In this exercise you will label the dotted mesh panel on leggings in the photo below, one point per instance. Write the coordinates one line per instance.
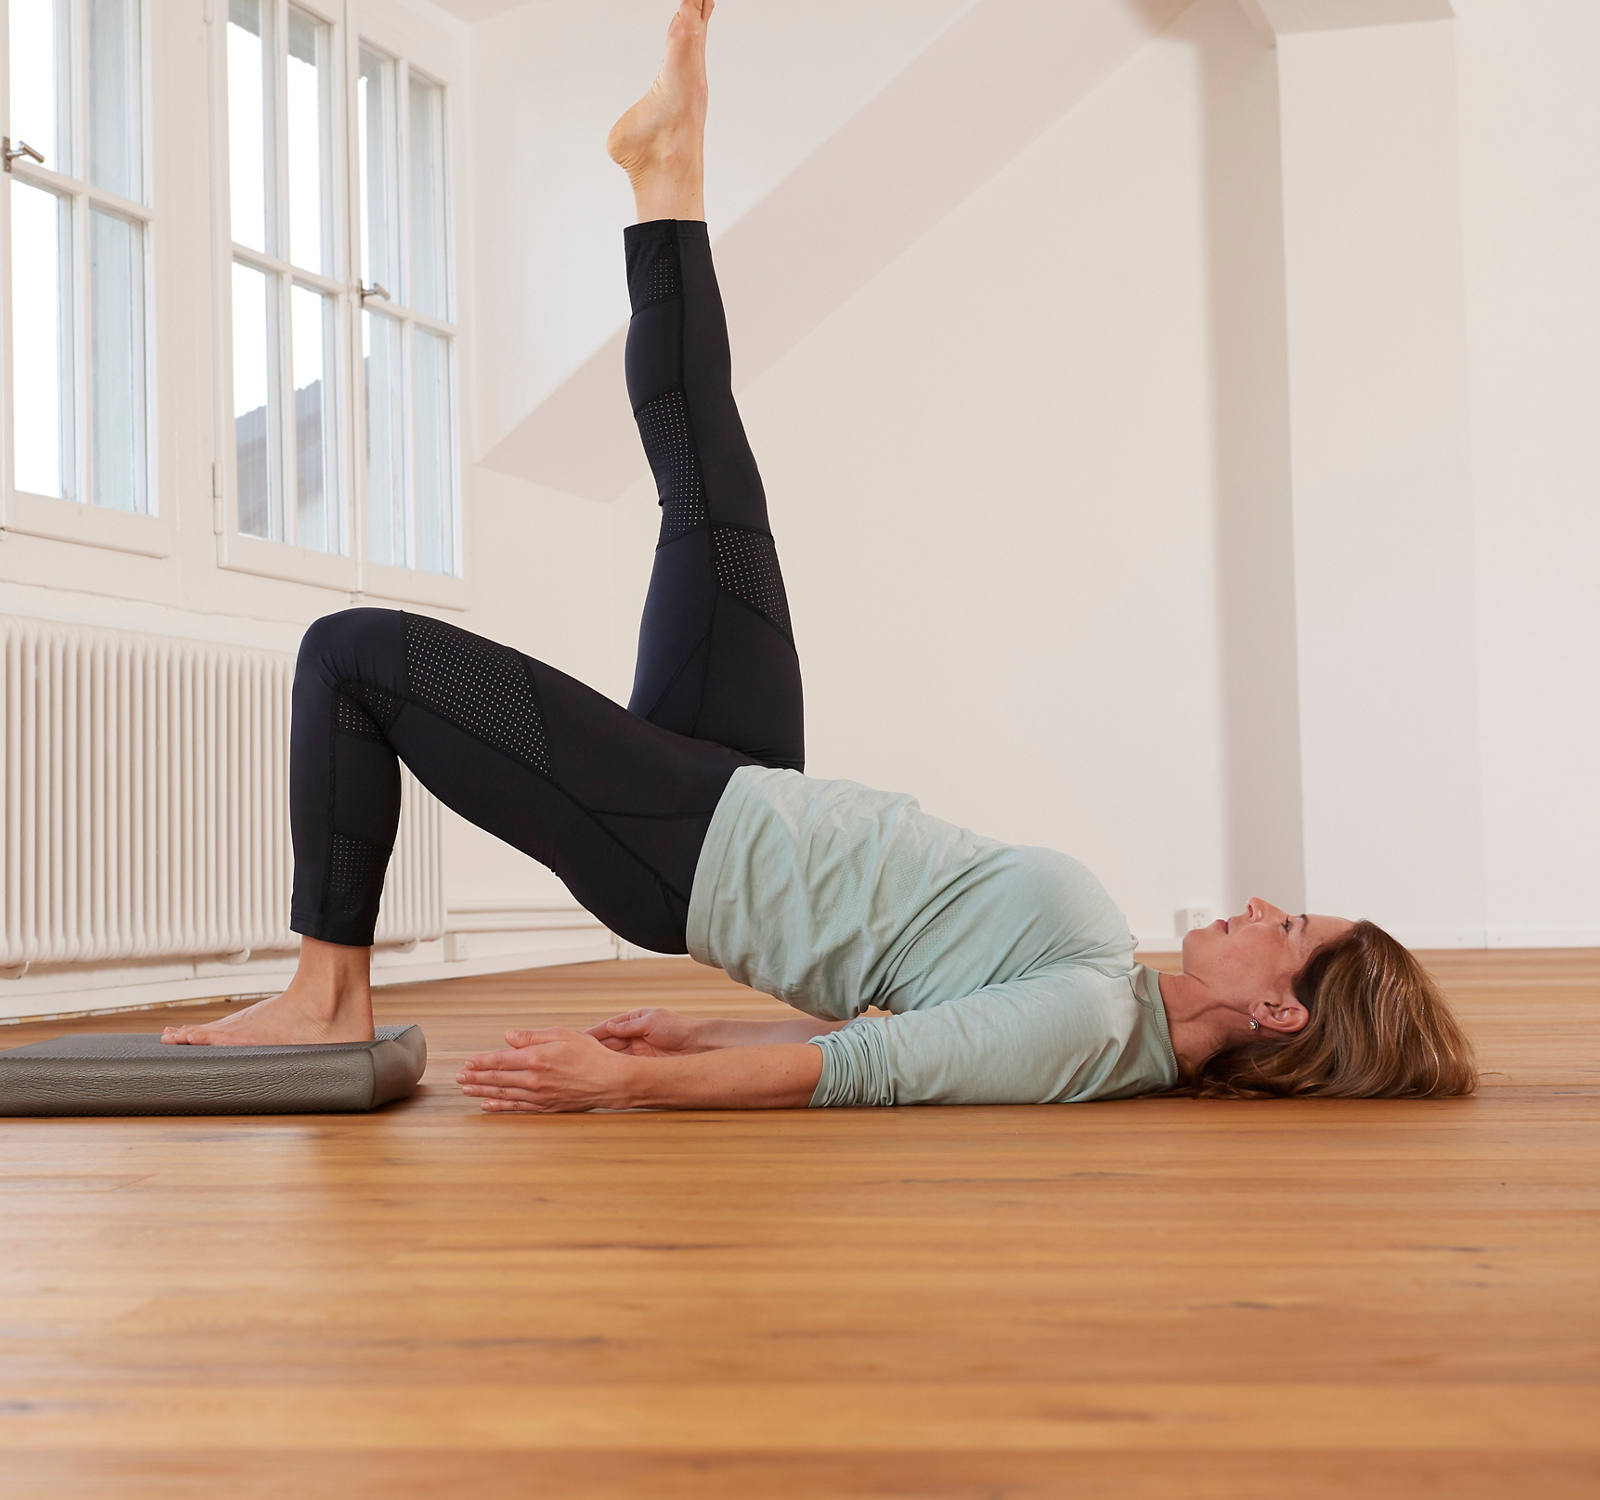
(747, 567)
(479, 685)
(664, 279)
(354, 719)
(655, 275)
(382, 705)
(356, 870)
(664, 427)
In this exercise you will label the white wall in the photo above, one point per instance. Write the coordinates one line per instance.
(1530, 183)
(1379, 480)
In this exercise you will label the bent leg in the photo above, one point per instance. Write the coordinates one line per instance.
(613, 804)
(716, 656)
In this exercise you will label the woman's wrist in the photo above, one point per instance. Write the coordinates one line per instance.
(634, 1077)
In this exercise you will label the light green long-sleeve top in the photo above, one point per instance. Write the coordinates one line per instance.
(1008, 969)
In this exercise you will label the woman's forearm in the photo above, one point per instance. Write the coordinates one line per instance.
(719, 1033)
(736, 1077)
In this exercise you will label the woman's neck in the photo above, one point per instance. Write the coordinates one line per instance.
(1197, 1025)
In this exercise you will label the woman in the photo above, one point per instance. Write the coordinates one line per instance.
(685, 821)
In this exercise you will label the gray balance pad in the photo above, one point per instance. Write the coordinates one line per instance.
(136, 1073)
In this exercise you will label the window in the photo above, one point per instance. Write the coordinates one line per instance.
(77, 257)
(285, 325)
(410, 447)
(338, 240)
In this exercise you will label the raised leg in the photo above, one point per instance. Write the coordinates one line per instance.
(716, 657)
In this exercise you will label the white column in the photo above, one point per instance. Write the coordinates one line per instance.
(1378, 432)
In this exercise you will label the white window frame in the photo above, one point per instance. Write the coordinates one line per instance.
(403, 34)
(155, 533)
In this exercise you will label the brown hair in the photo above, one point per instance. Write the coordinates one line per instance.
(1378, 1028)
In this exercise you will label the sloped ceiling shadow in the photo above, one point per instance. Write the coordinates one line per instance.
(985, 88)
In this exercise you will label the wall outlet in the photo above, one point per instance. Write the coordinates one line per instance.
(1187, 918)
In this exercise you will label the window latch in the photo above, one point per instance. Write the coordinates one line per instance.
(22, 148)
(375, 290)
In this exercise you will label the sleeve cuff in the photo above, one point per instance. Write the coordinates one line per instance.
(855, 1066)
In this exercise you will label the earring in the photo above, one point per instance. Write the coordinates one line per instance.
(1255, 1025)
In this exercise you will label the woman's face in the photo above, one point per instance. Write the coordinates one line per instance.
(1256, 954)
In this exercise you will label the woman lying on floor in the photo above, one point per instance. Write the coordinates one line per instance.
(686, 824)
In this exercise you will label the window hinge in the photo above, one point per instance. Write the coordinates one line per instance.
(216, 481)
(216, 498)
(206, 11)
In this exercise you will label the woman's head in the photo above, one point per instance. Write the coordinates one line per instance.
(1344, 1011)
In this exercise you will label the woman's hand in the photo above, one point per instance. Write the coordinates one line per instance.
(549, 1071)
(652, 1032)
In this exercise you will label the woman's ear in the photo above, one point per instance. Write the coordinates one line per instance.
(1285, 1013)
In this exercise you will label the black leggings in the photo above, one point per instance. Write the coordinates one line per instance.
(615, 800)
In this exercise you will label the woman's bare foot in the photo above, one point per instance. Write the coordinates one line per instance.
(662, 138)
(301, 1014)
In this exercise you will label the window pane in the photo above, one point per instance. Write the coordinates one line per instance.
(40, 96)
(249, 120)
(430, 358)
(375, 151)
(41, 342)
(427, 198)
(116, 362)
(315, 451)
(310, 131)
(255, 404)
(386, 501)
(116, 122)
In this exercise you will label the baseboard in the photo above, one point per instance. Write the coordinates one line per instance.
(1424, 938)
(1545, 937)
(625, 949)
(492, 940)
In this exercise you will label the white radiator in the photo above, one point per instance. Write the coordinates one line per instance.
(146, 802)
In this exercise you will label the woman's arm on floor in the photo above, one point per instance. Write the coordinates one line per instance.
(556, 1069)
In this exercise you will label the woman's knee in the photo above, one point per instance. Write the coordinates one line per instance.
(343, 634)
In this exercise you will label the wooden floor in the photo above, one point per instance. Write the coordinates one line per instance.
(1145, 1298)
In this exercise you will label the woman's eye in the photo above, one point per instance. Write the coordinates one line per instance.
(1288, 922)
